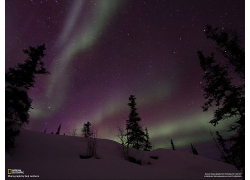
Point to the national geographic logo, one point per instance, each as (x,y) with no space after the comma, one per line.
(15,171)
(18,173)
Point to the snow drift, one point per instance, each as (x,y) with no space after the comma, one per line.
(51,156)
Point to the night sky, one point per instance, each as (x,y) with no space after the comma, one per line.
(99,52)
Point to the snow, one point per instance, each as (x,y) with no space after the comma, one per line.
(53,156)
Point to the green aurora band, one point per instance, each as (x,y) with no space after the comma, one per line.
(88,34)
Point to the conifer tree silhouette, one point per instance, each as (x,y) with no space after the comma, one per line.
(18,81)
(194,151)
(134,132)
(172,144)
(86,130)
(58,130)
(222,91)
(147,146)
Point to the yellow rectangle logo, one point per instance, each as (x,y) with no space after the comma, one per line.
(9,171)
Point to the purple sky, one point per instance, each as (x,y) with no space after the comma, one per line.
(100,52)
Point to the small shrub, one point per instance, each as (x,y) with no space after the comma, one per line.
(133,160)
(154,157)
(91,147)
(85,157)
(124,146)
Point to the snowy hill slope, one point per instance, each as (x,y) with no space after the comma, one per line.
(52,156)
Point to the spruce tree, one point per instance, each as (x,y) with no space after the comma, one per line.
(194,151)
(172,144)
(225,89)
(18,81)
(147,146)
(58,130)
(134,132)
(86,130)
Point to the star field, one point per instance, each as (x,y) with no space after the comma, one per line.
(101,52)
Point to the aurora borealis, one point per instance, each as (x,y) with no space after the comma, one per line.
(99,52)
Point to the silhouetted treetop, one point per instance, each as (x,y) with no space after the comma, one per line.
(24,74)
(229,45)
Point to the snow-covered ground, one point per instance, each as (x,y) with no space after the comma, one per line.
(51,156)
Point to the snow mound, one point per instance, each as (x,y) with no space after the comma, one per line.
(53,156)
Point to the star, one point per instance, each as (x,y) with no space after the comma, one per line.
(98,55)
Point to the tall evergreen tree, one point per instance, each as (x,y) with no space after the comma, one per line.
(223,91)
(147,146)
(58,130)
(134,132)
(172,144)
(86,130)
(194,151)
(18,81)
